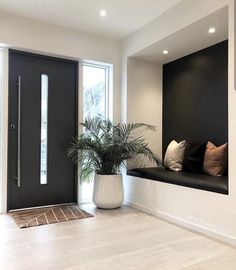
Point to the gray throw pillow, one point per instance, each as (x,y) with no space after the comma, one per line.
(174,156)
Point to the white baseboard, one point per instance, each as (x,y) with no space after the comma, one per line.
(185,224)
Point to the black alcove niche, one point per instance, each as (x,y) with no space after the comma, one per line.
(195,108)
(195,97)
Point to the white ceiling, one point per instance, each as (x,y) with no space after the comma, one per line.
(190,39)
(123,16)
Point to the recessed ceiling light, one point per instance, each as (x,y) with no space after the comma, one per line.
(165,52)
(103,13)
(211,30)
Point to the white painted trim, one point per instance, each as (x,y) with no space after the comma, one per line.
(4,136)
(185,224)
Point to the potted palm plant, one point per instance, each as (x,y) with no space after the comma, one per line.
(102,150)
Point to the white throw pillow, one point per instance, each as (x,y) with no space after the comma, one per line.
(174,156)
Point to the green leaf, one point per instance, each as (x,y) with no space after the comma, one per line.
(105,147)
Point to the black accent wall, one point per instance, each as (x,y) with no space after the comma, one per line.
(195,97)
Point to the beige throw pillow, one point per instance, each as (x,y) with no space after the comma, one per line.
(216,159)
(174,156)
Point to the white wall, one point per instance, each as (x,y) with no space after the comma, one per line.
(144,99)
(33,36)
(178,17)
(210,213)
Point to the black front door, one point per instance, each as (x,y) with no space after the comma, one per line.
(42,122)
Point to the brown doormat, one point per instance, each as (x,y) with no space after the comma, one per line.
(49,215)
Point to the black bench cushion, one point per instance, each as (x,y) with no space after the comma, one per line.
(197,181)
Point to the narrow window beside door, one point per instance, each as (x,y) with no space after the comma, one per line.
(44,129)
(95,91)
(97,101)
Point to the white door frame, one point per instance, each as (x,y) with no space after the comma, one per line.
(4,133)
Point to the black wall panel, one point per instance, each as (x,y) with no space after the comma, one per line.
(195,97)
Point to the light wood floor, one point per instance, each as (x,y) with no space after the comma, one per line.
(123,239)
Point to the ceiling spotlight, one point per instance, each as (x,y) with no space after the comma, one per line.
(103,13)
(165,52)
(211,30)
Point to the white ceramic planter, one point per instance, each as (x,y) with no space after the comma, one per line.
(108,192)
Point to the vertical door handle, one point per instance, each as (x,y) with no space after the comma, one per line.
(19,135)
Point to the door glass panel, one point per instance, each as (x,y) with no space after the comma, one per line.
(44,129)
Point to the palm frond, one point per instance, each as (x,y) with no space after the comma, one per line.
(104,147)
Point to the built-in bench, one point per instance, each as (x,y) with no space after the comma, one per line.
(197,181)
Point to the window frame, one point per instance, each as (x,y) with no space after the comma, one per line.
(108,68)
(108,108)
(3,189)
(1,69)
